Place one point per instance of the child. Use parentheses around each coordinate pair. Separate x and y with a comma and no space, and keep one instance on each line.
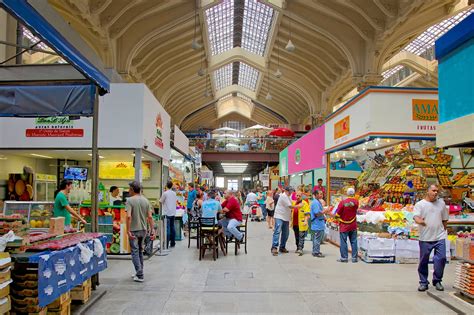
(303,218)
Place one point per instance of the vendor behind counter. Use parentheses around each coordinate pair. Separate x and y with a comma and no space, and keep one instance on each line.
(114,198)
(61,204)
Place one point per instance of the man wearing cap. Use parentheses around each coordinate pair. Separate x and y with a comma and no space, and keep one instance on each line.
(282,221)
(139,221)
(346,213)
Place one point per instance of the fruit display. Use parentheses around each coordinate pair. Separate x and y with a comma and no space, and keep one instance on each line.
(444,159)
(459,176)
(395,180)
(20,187)
(429,172)
(445,181)
(444,170)
(466,180)
(15,223)
(419,183)
(398,188)
(432,150)
(39,218)
(66,241)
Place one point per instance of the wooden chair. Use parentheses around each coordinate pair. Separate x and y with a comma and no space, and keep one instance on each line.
(242,228)
(193,225)
(208,232)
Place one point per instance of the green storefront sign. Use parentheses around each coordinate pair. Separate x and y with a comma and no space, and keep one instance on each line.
(284,163)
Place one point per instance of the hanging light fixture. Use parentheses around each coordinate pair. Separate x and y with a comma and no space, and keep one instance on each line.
(278,73)
(290,47)
(201,71)
(269,96)
(195,44)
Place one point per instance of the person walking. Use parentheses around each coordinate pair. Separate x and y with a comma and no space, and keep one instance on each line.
(139,224)
(432,217)
(270,207)
(282,222)
(233,217)
(346,214)
(317,223)
(191,197)
(169,202)
(261,197)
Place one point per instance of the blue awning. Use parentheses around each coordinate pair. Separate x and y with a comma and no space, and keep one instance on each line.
(41,28)
(47,100)
(457,36)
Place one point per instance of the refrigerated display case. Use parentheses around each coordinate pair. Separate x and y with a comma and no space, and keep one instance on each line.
(45,185)
(37,213)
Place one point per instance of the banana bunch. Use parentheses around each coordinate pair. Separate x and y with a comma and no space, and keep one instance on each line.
(444,170)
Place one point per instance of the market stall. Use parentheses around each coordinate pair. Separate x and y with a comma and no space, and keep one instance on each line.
(132,144)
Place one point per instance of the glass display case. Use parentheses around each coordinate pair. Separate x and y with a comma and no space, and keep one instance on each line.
(37,213)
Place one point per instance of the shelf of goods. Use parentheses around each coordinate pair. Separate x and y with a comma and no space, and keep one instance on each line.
(113,224)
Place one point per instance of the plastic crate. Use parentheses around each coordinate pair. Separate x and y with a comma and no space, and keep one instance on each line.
(105,219)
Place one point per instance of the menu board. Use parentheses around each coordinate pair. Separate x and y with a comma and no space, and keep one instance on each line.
(122,170)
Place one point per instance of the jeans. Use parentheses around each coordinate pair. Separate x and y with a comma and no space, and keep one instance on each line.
(136,246)
(281,231)
(318,237)
(230,228)
(264,211)
(170,232)
(439,261)
(301,239)
(352,235)
(296,229)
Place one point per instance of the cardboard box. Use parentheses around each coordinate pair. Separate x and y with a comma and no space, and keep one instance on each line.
(6,305)
(56,225)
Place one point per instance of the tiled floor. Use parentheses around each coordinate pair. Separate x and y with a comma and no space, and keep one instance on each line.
(260,283)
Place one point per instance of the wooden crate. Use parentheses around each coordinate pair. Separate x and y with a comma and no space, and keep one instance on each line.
(59,302)
(84,285)
(63,309)
(81,296)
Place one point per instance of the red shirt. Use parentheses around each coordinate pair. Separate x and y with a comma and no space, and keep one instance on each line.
(320,188)
(295,216)
(347,211)
(234,209)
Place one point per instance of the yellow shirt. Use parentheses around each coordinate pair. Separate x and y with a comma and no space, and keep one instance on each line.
(303,212)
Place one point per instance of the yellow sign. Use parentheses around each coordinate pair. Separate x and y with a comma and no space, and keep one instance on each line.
(46,177)
(122,170)
(426,110)
(342,128)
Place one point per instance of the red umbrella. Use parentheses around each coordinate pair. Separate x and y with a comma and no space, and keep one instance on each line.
(282,132)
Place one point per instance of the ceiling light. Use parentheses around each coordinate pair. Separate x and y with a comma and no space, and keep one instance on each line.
(353,152)
(100,156)
(364,148)
(207,94)
(195,45)
(268,97)
(278,73)
(201,72)
(290,47)
(41,156)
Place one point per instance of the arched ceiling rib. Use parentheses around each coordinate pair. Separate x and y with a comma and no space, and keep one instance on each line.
(340,45)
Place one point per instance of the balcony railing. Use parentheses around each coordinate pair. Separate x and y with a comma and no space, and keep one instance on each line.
(265,144)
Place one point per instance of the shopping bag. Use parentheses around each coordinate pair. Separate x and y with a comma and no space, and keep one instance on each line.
(259,211)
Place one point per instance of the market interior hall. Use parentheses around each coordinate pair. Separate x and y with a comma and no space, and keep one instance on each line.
(236,156)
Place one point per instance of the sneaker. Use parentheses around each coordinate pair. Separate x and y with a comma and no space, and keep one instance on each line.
(274,251)
(137,279)
(342,260)
(134,275)
(297,251)
(355,261)
(439,286)
(284,251)
(423,288)
(319,255)
(300,253)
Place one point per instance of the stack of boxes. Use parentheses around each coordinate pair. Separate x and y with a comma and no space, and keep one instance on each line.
(5,280)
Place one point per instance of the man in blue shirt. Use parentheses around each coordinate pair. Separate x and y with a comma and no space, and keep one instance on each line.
(191,197)
(317,223)
(211,206)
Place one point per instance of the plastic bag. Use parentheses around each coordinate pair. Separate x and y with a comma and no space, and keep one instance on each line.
(98,248)
(9,237)
(185,217)
(86,253)
(148,248)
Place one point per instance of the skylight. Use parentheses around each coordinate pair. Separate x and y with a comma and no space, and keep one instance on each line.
(427,39)
(223,77)
(244,97)
(256,26)
(220,22)
(248,76)
(388,73)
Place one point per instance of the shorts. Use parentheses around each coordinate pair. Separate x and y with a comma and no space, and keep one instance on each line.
(270,213)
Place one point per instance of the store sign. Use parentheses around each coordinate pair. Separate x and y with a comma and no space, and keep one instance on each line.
(307,153)
(206,174)
(122,170)
(159,131)
(342,128)
(426,110)
(284,162)
(180,141)
(265,179)
(54,127)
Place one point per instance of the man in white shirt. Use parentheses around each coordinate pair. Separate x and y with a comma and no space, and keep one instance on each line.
(282,221)
(168,203)
(251,198)
(432,217)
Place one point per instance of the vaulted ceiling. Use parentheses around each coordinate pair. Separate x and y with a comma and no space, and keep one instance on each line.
(240,45)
